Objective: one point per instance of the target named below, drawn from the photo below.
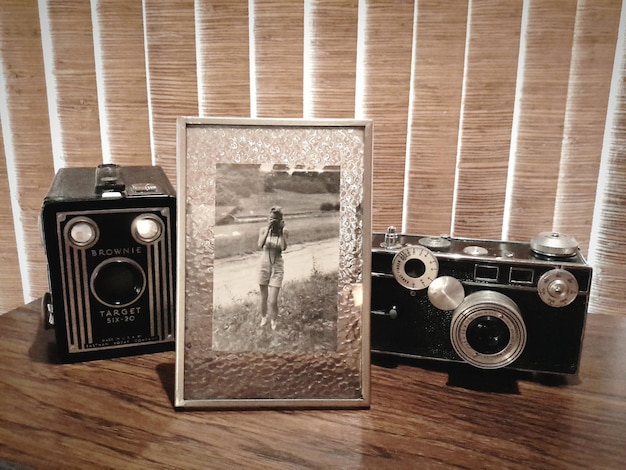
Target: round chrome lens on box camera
(491, 304)
(109, 237)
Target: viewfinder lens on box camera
(490, 304)
(109, 237)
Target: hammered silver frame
(231, 380)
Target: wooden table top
(118, 413)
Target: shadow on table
(167, 373)
(468, 377)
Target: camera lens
(488, 335)
(487, 330)
(118, 282)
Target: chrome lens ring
(147, 228)
(118, 282)
(82, 232)
(503, 336)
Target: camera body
(277, 225)
(109, 238)
(490, 304)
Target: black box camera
(491, 304)
(109, 237)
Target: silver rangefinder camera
(109, 238)
(490, 304)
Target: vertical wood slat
(11, 292)
(172, 76)
(124, 89)
(548, 45)
(437, 86)
(560, 120)
(485, 137)
(224, 58)
(387, 61)
(279, 40)
(25, 121)
(593, 55)
(608, 245)
(333, 56)
(74, 72)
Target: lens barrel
(118, 282)
(487, 330)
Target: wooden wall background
(493, 118)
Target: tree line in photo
(237, 182)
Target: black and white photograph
(273, 263)
(275, 284)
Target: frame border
(181, 401)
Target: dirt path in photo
(236, 277)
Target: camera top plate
(82, 184)
(478, 249)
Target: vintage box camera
(490, 304)
(109, 237)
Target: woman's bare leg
(264, 296)
(272, 305)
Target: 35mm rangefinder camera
(491, 304)
(109, 237)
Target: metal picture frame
(273, 263)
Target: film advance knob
(554, 244)
(435, 243)
(446, 293)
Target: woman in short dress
(272, 243)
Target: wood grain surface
(118, 414)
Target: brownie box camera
(109, 238)
(490, 304)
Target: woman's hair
(277, 213)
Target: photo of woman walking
(272, 243)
